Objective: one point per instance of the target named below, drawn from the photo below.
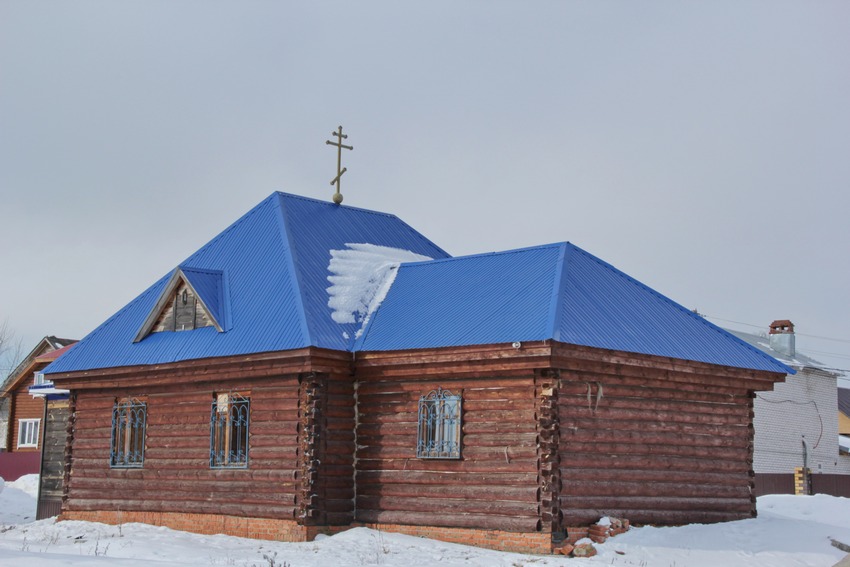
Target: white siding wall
(804, 406)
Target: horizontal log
(337, 506)
(370, 387)
(273, 499)
(702, 463)
(583, 517)
(407, 439)
(622, 487)
(448, 465)
(655, 503)
(636, 399)
(619, 418)
(447, 519)
(196, 484)
(439, 506)
(366, 477)
(656, 448)
(739, 439)
(575, 373)
(617, 425)
(643, 475)
(339, 492)
(497, 454)
(245, 510)
(463, 491)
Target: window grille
(129, 418)
(229, 420)
(28, 432)
(439, 425)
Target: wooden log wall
(176, 476)
(493, 486)
(326, 447)
(652, 445)
(53, 459)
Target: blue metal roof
(265, 280)
(482, 299)
(273, 264)
(557, 292)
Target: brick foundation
(289, 530)
(258, 528)
(536, 542)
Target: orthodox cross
(339, 171)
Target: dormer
(192, 299)
(38, 379)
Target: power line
(762, 327)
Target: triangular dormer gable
(192, 299)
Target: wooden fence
(15, 465)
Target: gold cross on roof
(339, 169)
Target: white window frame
(28, 430)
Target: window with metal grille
(439, 425)
(28, 432)
(229, 431)
(129, 418)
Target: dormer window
(191, 299)
(182, 312)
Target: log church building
(318, 366)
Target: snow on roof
(361, 276)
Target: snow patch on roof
(361, 277)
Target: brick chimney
(782, 337)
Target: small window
(129, 418)
(229, 431)
(38, 379)
(28, 433)
(439, 425)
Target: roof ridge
(485, 254)
(557, 299)
(291, 263)
(362, 210)
(253, 210)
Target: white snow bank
(361, 276)
(790, 531)
(27, 483)
(18, 500)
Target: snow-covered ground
(790, 531)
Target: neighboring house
(796, 424)
(844, 421)
(5, 407)
(54, 439)
(22, 443)
(318, 366)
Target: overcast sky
(703, 148)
